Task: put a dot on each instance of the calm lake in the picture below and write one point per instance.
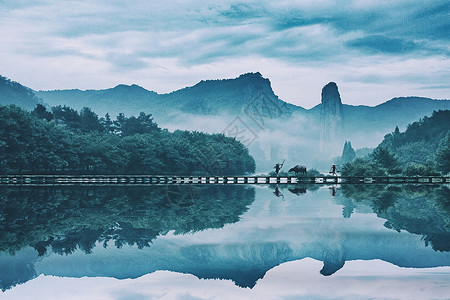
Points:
(225, 242)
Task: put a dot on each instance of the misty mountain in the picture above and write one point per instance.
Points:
(247, 108)
(401, 111)
(383, 118)
(123, 98)
(231, 97)
(210, 97)
(14, 93)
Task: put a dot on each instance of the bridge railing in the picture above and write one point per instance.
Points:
(164, 179)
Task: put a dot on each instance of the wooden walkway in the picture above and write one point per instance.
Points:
(155, 180)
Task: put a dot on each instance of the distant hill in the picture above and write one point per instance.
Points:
(380, 119)
(211, 97)
(122, 98)
(231, 96)
(401, 110)
(14, 93)
(273, 129)
(383, 118)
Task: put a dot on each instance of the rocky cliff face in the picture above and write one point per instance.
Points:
(331, 120)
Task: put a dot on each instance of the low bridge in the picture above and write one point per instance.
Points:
(156, 179)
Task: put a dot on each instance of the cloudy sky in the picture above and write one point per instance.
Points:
(373, 50)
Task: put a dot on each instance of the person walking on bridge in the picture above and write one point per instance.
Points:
(278, 167)
(333, 169)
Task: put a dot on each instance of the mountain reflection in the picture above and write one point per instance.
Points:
(128, 231)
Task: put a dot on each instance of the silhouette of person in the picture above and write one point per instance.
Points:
(277, 168)
(333, 191)
(278, 193)
(333, 169)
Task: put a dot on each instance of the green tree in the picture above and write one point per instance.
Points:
(89, 121)
(443, 155)
(15, 132)
(45, 148)
(363, 167)
(144, 154)
(101, 153)
(413, 169)
(107, 123)
(29, 143)
(119, 123)
(382, 157)
(348, 154)
(42, 113)
(140, 125)
(420, 141)
(67, 116)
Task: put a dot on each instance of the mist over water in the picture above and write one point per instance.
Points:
(295, 138)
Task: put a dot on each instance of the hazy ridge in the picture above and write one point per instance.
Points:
(231, 96)
(279, 130)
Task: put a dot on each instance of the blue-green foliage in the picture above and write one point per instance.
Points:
(421, 139)
(443, 155)
(362, 167)
(348, 154)
(423, 149)
(65, 141)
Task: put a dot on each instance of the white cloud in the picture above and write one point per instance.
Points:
(299, 45)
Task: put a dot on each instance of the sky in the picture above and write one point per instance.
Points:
(373, 50)
(293, 280)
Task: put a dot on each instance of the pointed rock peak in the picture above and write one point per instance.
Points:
(251, 75)
(247, 77)
(256, 80)
(253, 78)
(330, 94)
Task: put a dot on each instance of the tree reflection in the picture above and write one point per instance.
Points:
(66, 219)
(63, 220)
(418, 209)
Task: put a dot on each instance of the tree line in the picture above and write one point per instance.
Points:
(64, 219)
(423, 149)
(65, 141)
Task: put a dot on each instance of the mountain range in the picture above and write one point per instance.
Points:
(281, 130)
(211, 97)
(231, 96)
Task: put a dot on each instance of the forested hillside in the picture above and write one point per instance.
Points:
(66, 141)
(423, 149)
(273, 130)
(14, 93)
(423, 141)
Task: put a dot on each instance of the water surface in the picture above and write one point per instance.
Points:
(244, 237)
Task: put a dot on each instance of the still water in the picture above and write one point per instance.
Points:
(225, 242)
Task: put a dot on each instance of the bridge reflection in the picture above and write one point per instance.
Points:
(154, 179)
